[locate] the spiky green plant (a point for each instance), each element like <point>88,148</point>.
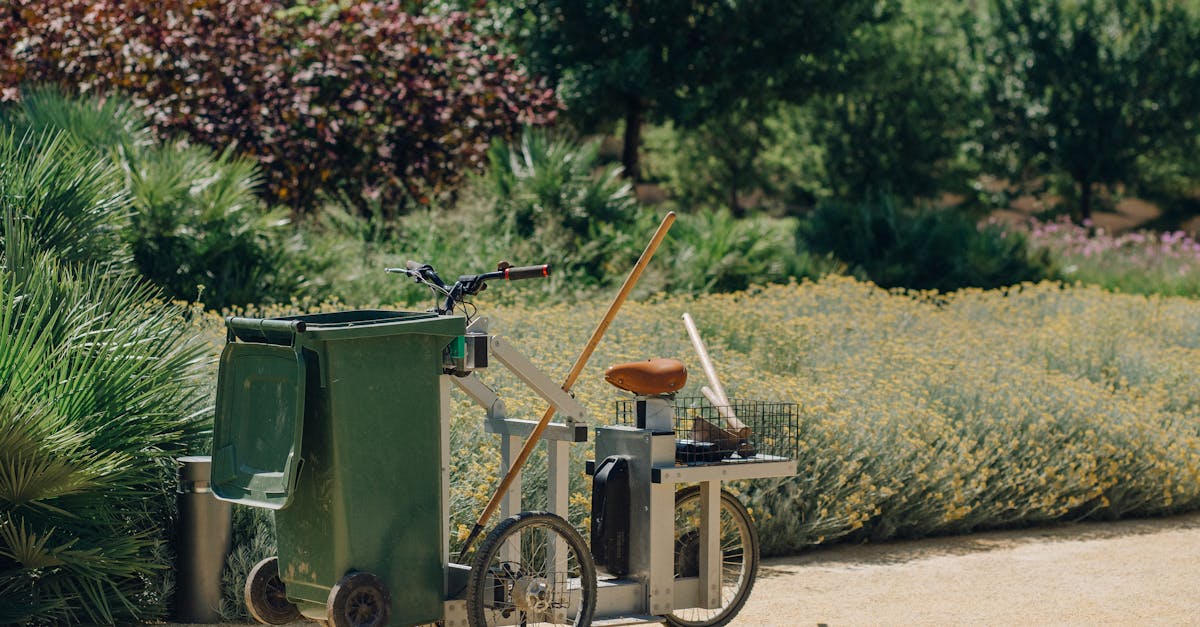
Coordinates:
<point>553,197</point>
<point>100,387</point>
<point>711,251</point>
<point>67,197</point>
<point>196,227</point>
<point>108,123</point>
<point>199,229</point>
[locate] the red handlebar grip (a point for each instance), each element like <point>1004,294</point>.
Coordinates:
<point>527,272</point>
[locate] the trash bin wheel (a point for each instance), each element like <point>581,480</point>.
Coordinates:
<point>359,600</point>
<point>739,556</point>
<point>515,578</point>
<point>266,598</point>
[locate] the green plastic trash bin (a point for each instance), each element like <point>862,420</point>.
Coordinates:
<point>334,421</point>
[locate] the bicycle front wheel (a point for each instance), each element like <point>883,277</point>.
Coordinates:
<point>533,568</point>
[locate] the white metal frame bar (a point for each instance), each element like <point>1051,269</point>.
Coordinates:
<point>519,364</point>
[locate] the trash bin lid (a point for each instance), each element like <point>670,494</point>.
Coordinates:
<point>258,425</point>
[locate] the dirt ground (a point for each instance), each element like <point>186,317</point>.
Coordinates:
<point>1122,573</point>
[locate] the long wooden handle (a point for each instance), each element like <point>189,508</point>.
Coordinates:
<point>536,435</point>
<point>705,362</point>
<point>718,397</point>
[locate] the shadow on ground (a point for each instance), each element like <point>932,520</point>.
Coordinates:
<point>903,551</point>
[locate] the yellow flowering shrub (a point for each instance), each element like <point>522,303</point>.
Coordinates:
<point>920,413</point>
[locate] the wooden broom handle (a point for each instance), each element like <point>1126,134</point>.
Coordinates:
<point>718,399</point>
<point>536,435</point>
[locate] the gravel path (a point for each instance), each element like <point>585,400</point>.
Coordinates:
<point>1121,573</point>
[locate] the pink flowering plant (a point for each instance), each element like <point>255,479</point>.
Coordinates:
<point>1139,262</point>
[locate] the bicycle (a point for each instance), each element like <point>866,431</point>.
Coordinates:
<point>656,552</point>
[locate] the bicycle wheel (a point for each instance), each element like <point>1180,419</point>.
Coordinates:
<point>739,556</point>
<point>533,568</point>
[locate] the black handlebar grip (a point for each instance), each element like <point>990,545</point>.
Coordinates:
<point>527,272</point>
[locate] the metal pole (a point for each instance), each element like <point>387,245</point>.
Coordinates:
<point>205,529</point>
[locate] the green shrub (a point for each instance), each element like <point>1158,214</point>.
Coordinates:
<point>100,388</point>
<point>711,251</point>
<point>921,248</point>
<point>553,201</point>
<point>199,231</point>
<point>187,218</point>
<point>737,161</point>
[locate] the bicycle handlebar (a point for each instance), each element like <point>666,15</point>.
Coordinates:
<point>423,270</point>
<point>468,284</point>
<point>527,272</point>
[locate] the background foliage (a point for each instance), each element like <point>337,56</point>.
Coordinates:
<point>681,61</point>
<point>363,97</point>
<point>1083,89</point>
<point>262,156</point>
<point>922,247</point>
<point>100,388</point>
<point>898,122</point>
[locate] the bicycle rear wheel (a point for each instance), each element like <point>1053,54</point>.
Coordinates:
<point>739,556</point>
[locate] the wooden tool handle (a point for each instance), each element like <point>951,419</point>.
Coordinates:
<point>721,401</point>
<point>724,409</point>
<point>536,435</point>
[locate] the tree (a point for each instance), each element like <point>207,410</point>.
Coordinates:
<point>1084,88</point>
<point>683,61</point>
<point>900,120</point>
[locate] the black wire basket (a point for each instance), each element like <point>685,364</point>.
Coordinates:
<point>703,434</point>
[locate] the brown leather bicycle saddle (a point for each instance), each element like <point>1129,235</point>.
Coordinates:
<point>653,376</point>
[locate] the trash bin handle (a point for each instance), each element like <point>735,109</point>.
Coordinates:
<point>262,325</point>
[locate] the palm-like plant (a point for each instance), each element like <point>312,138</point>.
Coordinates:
<point>713,251</point>
<point>100,387</point>
<point>553,196</point>
<point>198,226</point>
<point>195,226</point>
<point>67,197</point>
<point>99,390</point>
<point>110,123</point>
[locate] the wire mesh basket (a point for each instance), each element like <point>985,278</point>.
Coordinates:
<point>703,434</point>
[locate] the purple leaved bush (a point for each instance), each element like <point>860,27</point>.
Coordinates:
<point>366,98</point>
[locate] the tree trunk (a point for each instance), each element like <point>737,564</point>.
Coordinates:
<point>731,194</point>
<point>634,111</point>
<point>1085,201</point>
